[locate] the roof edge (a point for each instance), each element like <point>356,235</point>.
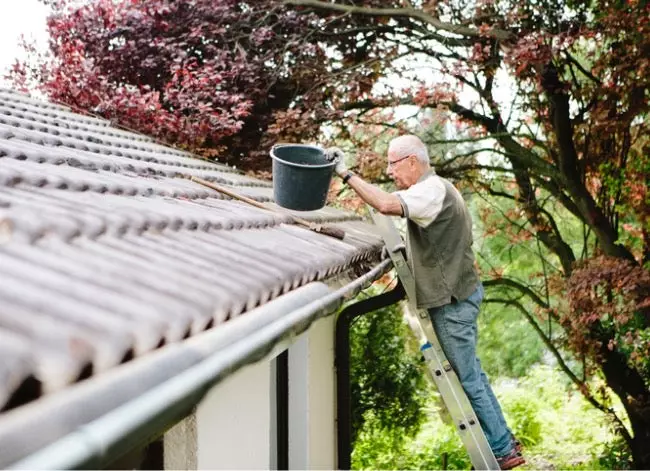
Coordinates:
<point>124,409</point>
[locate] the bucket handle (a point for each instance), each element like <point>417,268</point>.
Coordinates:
<point>276,146</point>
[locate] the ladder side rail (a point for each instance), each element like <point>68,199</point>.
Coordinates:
<point>445,378</point>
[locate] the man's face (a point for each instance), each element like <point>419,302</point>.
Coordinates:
<point>403,169</point>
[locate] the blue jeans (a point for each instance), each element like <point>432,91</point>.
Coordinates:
<point>455,325</point>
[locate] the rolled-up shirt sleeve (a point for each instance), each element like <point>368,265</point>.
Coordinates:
<point>423,201</point>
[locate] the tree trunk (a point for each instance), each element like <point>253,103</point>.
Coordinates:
<point>641,443</point>
<point>629,386</point>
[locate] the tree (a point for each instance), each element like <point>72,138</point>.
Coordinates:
<point>388,386</point>
<point>567,147</point>
<point>206,74</point>
<point>571,144</point>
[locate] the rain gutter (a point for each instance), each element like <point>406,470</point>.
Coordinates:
<point>105,417</point>
<point>343,391</point>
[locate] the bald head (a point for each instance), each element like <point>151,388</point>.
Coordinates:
<point>409,144</point>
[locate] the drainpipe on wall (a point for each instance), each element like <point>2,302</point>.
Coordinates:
<point>343,394</point>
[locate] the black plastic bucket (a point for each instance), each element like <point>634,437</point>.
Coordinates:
<point>301,176</point>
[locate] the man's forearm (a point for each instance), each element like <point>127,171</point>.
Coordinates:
<point>382,201</point>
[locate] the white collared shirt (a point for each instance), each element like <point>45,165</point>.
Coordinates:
<point>422,202</point>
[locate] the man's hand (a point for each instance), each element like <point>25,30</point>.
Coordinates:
<point>385,203</point>
<point>334,154</point>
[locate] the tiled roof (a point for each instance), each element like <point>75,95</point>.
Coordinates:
<point>107,252</point>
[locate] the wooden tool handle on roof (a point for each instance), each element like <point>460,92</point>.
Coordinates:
<point>327,230</point>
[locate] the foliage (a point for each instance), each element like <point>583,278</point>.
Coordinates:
<point>616,455</point>
<point>209,74</point>
<point>437,447</point>
<point>559,429</point>
<point>622,294</point>
<point>556,424</point>
<point>507,346</point>
<point>377,448</point>
<point>387,387</point>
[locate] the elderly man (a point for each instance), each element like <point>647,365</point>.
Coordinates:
<point>439,249</point>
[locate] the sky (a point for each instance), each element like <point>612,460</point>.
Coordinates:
<point>20,17</point>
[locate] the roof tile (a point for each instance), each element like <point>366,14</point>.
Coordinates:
<point>109,251</point>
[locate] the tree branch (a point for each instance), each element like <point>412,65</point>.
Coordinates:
<point>523,289</point>
<point>579,66</point>
<point>582,386</point>
<point>541,209</point>
<point>376,103</point>
<point>485,137</point>
<point>553,188</point>
<point>568,164</point>
<point>447,170</point>
<point>399,13</point>
<point>517,153</point>
<point>360,29</point>
<point>545,230</point>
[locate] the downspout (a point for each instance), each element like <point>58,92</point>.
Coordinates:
<point>282,411</point>
<point>343,393</point>
<point>197,365</point>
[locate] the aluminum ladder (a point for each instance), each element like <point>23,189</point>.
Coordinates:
<point>445,378</point>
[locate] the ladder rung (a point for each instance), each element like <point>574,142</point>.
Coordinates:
<point>445,378</point>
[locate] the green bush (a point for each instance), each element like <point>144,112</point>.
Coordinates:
<point>387,382</point>
<point>568,432</point>
<point>522,415</point>
<point>616,455</point>
<point>376,446</point>
<point>559,429</point>
<point>436,445</point>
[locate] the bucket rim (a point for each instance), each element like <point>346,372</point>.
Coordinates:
<point>293,164</point>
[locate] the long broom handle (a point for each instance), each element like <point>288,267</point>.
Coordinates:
<point>327,230</point>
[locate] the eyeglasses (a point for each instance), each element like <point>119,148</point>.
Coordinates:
<point>391,163</point>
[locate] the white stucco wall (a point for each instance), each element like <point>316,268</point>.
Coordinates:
<point>179,445</point>
<point>234,427</point>
<point>312,398</point>
<point>234,421</point>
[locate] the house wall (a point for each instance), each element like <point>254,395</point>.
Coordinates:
<point>234,427</point>
<point>323,444</point>
<point>180,445</point>
<point>233,421</point>
<point>230,428</point>
<point>312,398</point>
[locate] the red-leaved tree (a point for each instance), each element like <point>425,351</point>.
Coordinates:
<point>205,74</point>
